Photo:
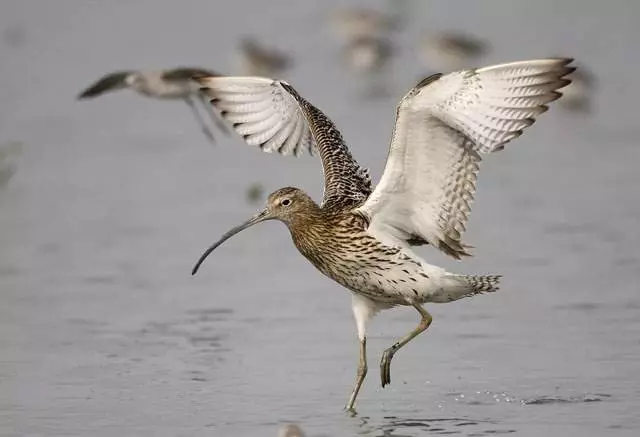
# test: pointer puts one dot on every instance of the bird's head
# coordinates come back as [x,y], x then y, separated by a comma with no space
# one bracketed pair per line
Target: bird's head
[289,205]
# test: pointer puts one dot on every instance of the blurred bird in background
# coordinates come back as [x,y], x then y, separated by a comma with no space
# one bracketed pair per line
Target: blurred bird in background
[450,51]
[367,42]
[170,84]
[8,166]
[254,59]
[368,57]
[359,22]
[291,430]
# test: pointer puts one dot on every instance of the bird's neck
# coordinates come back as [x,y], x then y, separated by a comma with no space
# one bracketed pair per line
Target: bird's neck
[309,230]
[321,236]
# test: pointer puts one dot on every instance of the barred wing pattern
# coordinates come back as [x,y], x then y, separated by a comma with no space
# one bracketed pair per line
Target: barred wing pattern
[443,127]
[272,115]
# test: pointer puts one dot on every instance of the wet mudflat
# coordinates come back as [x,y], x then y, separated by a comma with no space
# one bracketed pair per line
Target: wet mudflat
[103,331]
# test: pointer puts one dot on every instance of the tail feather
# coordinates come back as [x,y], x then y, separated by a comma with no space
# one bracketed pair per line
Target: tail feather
[483,283]
[460,286]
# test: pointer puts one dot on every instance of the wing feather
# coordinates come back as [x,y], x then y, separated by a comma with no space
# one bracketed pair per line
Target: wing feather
[443,127]
[272,115]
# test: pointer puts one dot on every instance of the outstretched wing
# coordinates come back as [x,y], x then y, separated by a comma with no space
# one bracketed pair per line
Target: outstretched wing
[110,82]
[443,127]
[270,114]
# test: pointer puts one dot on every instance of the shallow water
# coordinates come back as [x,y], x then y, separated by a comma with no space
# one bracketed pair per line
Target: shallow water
[103,331]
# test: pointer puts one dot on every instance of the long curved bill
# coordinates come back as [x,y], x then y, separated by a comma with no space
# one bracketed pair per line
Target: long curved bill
[264,215]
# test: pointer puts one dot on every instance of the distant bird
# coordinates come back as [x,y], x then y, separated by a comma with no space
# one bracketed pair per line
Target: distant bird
[7,166]
[291,430]
[362,237]
[256,60]
[255,192]
[451,51]
[369,57]
[171,84]
[7,170]
[578,96]
[363,22]
[368,54]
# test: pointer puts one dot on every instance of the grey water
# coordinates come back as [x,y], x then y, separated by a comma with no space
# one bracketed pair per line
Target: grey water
[103,331]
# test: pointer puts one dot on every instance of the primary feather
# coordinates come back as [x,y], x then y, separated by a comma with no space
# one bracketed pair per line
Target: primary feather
[271,114]
[443,127]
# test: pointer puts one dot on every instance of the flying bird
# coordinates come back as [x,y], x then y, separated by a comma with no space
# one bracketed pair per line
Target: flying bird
[363,237]
[368,54]
[254,59]
[451,51]
[360,22]
[369,57]
[171,84]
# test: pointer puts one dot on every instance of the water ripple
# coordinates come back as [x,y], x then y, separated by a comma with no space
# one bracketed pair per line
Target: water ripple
[576,399]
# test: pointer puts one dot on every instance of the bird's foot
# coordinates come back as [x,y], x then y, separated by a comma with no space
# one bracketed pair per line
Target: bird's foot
[385,366]
[350,410]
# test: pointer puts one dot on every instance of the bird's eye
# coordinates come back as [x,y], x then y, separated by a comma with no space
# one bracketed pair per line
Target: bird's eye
[286,202]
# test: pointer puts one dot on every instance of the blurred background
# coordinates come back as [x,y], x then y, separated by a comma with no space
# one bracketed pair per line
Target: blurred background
[105,204]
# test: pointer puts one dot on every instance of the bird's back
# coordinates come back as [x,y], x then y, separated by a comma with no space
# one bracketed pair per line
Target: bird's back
[155,84]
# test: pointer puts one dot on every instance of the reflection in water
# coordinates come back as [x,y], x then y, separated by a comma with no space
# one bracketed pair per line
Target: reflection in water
[201,330]
[576,399]
[398,426]
[485,397]
[488,397]
[408,427]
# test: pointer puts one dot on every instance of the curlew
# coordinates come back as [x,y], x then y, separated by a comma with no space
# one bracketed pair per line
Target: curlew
[171,84]
[362,237]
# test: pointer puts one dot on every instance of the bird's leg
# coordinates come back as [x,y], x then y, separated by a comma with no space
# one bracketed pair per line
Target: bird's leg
[385,362]
[203,125]
[362,372]
[363,309]
[212,113]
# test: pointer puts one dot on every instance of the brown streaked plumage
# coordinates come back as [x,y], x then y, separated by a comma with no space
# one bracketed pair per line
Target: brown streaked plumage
[362,237]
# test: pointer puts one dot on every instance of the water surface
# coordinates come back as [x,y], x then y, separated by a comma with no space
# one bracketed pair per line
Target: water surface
[103,332]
